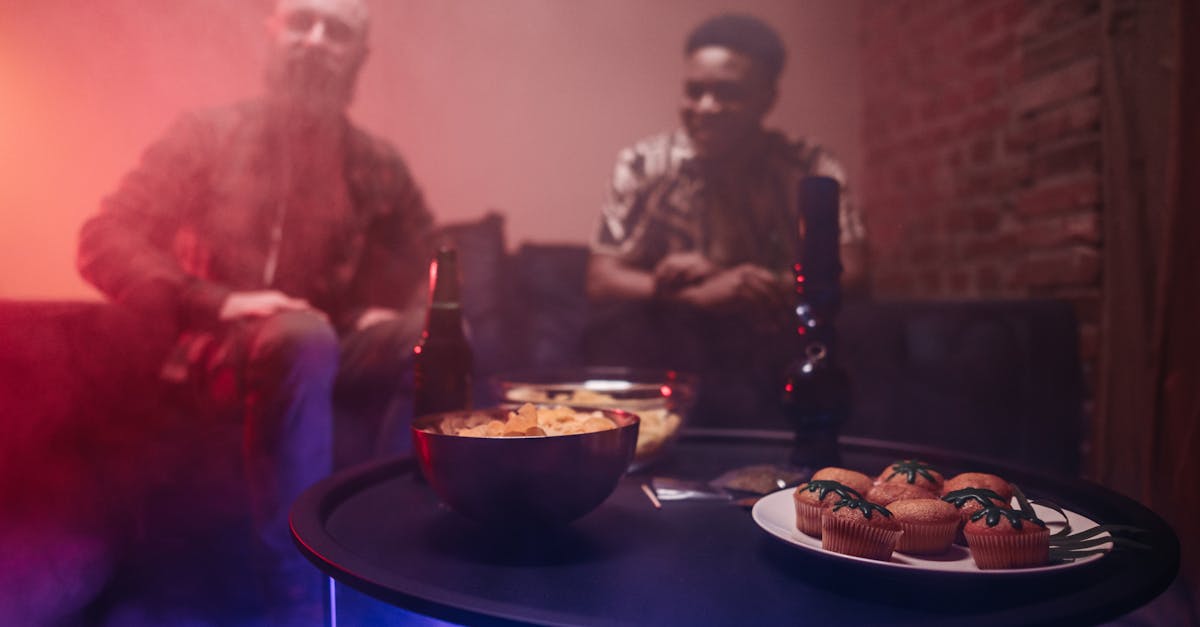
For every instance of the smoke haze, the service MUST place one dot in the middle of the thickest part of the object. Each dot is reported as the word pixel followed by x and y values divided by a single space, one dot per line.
pixel 516 105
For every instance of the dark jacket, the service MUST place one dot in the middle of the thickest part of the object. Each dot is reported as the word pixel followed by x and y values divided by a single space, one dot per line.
pixel 194 220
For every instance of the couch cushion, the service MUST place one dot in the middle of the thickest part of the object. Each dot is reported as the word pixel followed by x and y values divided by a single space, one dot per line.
pixel 993 378
pixel 999 379
pixel 77 384
pixel 550 307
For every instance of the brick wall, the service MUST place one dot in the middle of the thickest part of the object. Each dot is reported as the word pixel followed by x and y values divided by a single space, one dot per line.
pixel 982 151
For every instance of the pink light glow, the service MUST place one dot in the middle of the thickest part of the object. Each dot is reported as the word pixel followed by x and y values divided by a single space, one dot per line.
pixel 490 93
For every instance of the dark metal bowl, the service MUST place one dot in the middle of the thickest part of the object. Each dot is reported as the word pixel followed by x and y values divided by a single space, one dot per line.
pixel 524 481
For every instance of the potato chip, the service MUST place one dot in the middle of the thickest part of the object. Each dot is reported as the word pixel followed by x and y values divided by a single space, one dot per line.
pixel 523 418
pixel 596 423
pixel 531 421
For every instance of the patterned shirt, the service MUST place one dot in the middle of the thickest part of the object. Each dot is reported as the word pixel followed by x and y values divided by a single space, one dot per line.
pixel 661 202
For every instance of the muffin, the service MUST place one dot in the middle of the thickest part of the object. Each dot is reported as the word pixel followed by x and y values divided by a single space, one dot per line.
pixel 849 478
pixel 1004 538
pixel 814 497
pixel 913 472
pixel 860 528
pixel 980 480
pixel 929 525
pixel 968 501
pixel 887 493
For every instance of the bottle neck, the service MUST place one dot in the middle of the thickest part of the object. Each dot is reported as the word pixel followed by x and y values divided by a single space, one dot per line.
pixel 444 320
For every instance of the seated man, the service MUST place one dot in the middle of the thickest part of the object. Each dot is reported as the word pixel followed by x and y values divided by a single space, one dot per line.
pixel 283 250
pixel 692 260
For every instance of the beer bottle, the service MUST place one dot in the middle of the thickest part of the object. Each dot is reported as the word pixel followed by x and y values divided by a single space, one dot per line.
pixel 442 359
pixel 816 391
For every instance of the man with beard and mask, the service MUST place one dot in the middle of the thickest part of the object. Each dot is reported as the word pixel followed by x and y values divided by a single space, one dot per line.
pixel 691 265
pixel 285 251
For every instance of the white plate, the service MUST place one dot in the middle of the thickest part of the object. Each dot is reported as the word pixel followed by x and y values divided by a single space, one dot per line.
pixel 776 514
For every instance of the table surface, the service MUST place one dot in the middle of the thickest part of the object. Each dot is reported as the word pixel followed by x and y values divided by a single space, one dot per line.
pixel 380 529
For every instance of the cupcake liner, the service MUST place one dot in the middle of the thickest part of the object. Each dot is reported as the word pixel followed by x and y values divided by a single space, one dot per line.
pixel 854 538
pixel 1010 551
pixel 808 518
pixel 926 538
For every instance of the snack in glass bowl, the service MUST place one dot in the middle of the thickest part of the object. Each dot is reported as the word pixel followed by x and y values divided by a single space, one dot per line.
pixel 527 420
pixel 660 398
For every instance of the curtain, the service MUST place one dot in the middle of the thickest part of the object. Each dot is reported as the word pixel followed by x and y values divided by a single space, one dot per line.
pixel 1146 434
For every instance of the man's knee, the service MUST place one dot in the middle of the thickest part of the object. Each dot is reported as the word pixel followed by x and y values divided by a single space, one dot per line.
pixel 382 349
pixel 396 336
pixel 296 339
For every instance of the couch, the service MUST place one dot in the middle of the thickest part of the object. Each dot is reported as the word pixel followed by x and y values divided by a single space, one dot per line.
pixel 101 469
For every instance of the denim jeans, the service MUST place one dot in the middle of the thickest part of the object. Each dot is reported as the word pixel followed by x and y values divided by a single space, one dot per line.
pixel 310 402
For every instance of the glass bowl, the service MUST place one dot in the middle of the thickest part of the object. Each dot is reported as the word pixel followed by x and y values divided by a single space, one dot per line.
pixel 661 398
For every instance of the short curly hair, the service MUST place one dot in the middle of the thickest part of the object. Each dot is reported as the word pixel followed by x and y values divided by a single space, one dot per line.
pixel 745 34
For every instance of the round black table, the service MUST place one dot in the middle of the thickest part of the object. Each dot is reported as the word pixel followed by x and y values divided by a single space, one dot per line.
pixel 381 530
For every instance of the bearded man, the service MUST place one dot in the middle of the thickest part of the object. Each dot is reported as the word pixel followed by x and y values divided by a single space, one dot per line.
pixel 284 251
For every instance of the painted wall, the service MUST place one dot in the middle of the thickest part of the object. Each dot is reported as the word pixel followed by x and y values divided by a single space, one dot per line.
pixel 517 105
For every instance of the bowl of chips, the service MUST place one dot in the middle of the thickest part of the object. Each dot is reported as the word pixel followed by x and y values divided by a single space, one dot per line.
pixel 525 467
pixel 661 398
